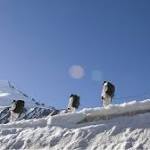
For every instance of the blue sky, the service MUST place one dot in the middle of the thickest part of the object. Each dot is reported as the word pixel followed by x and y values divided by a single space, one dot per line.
pixel 41 40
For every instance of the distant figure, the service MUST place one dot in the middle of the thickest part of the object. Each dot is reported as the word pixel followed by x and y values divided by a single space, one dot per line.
pixel 17 108
pixel 108 92
pixel 74 102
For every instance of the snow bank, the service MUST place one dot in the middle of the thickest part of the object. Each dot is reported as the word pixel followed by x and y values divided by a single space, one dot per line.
pixel 132 106
pixel 33 123
pixel 100 113
pixel 66 120
pixel 64 132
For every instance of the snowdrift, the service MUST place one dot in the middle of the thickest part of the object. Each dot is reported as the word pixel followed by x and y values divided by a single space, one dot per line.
pixel 100 113
pixel 127 128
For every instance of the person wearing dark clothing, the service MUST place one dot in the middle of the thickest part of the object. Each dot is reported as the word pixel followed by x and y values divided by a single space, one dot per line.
pixel 74 103
pixel 108 91
pixel 16 109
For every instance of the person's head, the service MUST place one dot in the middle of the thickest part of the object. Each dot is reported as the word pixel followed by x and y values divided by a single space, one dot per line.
pixel 104 82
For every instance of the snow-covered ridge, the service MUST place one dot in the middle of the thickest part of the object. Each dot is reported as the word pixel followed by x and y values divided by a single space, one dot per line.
pixel 117 127
pixel 8 92
pixel 66 132
pixel 101 113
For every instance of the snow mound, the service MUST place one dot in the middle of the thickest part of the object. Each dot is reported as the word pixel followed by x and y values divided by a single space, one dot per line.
pixel 64 132
pixel 66 120
pixel 100 113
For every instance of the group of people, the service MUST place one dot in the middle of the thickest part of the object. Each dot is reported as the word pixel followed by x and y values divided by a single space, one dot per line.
pixel 107 93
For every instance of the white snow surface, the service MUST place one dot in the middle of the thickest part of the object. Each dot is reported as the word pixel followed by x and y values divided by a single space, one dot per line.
pixel 116 127
pixel 9 92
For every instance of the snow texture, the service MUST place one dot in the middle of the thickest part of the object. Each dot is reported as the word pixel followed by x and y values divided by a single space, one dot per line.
pixel 9 92
pixel 127 127
pixel 33 109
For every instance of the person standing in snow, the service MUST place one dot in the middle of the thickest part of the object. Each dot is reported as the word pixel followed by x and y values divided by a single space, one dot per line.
pixel 16 110
pixel 74 102
pixel 108 92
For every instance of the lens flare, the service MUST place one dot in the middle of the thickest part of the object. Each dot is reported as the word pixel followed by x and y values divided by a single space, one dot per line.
pixel 76 72
pixel 97 75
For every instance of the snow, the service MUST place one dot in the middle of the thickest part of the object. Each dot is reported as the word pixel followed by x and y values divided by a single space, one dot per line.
pixel 33 109
pixel 127 127
pixel 66 120
pixel 100 113
pixel 9 92
pixel 119 109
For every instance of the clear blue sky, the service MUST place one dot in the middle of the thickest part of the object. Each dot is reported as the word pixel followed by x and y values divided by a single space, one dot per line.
pixel 41 39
